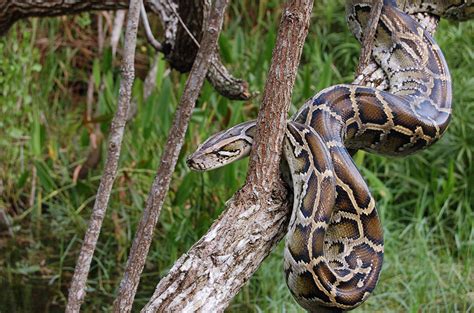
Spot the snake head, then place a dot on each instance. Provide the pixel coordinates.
(223, 148)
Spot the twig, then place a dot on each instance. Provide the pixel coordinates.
(208, 276)
(185, 27)
(31, 199)
(369, 33)
(149, 34)
(159, 189)
(117, 30)
(150, 79)
(77, 288)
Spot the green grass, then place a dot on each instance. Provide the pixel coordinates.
(426, 200)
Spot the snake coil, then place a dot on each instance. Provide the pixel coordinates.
(334, 247)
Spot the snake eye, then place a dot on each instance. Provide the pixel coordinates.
(226, 153)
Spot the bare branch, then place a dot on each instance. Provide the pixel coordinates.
(369, 34)
(117, 30)
(224, 83)
(13, 10)
(209, 275)
(184, 22)
(159, 189)
(77, 288)
(149, 34)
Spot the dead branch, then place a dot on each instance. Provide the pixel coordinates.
(149, 34)
(14, 10)
(159, 189)
(77, 288)
(184, 24)
(209, 275)
(369, 33)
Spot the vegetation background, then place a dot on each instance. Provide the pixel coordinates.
(425, 200)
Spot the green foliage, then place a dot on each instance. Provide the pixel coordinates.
(425, 200)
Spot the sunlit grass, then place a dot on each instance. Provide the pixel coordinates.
(425, 200)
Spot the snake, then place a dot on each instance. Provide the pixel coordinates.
(334, 247)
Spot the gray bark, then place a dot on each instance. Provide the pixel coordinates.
(78, 285)
(159, 189)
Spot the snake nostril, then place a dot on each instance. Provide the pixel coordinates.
(190, 162)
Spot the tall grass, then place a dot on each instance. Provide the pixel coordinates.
(425, 200)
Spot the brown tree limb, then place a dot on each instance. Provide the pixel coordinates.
(159, 189)
(184, 22)
(369, 34)
(78, 284)
(224, 83)
(14, 10)
(208, 276)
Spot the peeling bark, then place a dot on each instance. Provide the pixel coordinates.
(212, 272)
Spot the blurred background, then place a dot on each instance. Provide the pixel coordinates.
(50, 170)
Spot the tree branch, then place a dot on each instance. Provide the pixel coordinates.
(211, 273)
(184, 22)
(369, 33)
(149, 34)
(159, 189)
(14, 10)
(77, 288)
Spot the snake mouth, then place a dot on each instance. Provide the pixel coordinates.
(192, 164)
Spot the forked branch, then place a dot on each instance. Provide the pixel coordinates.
(211, 273)
(159, 189)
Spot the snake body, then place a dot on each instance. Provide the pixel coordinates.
(334, 247)
(452, 9)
